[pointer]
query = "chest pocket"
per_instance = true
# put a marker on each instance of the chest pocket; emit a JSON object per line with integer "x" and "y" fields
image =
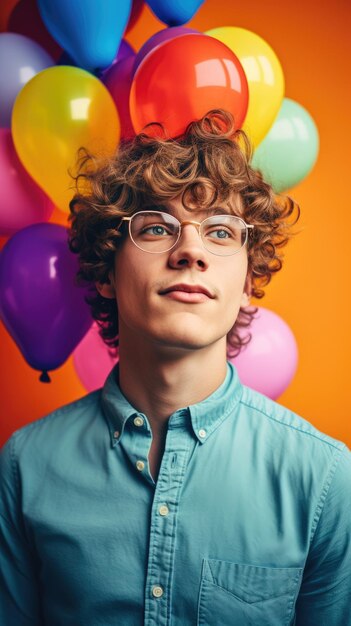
{"x": 236, "y": 594}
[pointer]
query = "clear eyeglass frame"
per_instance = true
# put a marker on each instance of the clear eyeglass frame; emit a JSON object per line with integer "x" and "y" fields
{"x": 198, "y": 226}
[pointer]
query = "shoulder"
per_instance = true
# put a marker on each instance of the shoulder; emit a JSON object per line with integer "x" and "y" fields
{"x": 66, "y": 421}
{"x": 298, "y": 451}
{"x": 283, "y": 421}
{"x": 292, "y": 443}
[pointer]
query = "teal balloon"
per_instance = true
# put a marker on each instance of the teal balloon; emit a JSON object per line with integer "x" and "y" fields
{"x": 290, "y": 149}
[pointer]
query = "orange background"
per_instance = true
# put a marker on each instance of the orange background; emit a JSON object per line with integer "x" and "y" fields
{"x": 311, "y": 293}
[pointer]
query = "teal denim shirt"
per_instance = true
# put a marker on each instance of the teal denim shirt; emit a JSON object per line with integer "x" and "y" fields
{"x": 249, "y": 521}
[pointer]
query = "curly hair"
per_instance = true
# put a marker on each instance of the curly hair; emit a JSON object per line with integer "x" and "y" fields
{"x": 208, "y": 163}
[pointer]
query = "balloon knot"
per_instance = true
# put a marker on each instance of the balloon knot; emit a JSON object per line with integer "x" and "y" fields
{"x": 44, "y": 377}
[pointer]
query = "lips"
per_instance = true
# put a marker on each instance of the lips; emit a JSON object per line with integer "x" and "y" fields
{"x": 187, "y": 289}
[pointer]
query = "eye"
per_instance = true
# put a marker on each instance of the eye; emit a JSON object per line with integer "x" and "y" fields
{"x": 158, "y": 230}
{"x": 219, "y": 232}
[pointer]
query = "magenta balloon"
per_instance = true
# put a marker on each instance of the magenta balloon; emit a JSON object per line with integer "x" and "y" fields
{"x": 22, "y": 202}
{"x": 41, "y": 306}
{"x": 268, "y": 363}
{"x": 159, "y": 38}
{"x": 92, "y": 360}
{"x": 118, "y": 80}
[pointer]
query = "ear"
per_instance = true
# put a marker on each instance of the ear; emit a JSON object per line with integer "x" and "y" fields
{"x": 106, "y": 290}
{"x": 246, "y": 295}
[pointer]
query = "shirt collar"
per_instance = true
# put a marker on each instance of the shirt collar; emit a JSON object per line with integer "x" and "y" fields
{"x": 205, "y": 416}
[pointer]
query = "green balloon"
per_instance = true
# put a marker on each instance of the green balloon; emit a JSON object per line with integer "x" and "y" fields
{"x": 290, "y": 149}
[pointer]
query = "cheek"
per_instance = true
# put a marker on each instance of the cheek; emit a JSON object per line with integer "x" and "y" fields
{"x": 234, "y": 278}
{"x": 134, "y": 272}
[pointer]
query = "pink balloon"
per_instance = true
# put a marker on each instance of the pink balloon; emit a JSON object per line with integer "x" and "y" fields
{"x": 268, "y": 363}
{"x": 118, "y": 80}
{"x": 22, "y": 202}
{"x": 92, "y": 360}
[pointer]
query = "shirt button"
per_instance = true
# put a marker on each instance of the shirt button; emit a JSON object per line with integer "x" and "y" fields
{"x": 116, "y": 434}
{"x": 138, "y": 421}
{"x": 157, "y": 592}
{"x": 163, "y": 510}
{"x": 202, "y": 433}
{"x": 140, "y": 465}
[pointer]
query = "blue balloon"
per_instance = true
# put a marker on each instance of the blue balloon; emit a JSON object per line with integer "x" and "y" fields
{"x": 89, "y": 30}
{"x": 176, "y": 12}
{"x": 124, "y": 50}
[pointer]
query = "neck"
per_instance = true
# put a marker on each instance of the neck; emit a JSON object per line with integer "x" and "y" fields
{"x": 157, "y": 381}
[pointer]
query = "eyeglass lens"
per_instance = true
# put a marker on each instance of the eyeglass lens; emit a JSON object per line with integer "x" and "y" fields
{"x": 154, "y": 231}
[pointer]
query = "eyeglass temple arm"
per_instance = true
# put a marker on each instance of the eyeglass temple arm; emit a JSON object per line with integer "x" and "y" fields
{"x": 123, "y": 219}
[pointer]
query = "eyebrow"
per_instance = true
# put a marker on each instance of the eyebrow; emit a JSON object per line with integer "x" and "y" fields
{"x": 211, "y": 210}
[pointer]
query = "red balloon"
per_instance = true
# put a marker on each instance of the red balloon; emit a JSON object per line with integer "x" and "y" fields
{"x": 183, "y": 79}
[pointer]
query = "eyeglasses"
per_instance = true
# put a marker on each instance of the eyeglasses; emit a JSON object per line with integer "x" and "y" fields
{"x": 157, "y": 232}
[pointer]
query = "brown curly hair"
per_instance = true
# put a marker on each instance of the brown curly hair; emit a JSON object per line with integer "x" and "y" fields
{"x": 208, "y": 163}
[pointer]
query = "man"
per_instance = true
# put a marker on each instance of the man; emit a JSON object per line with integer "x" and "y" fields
{"x": 175, "y": 495}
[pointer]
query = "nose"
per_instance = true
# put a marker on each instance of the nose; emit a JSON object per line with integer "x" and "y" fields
{"x": 189, "y": 251}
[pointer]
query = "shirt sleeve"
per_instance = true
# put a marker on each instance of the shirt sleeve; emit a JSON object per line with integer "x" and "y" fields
{"x": 19, "y": 593}
{"x": 325, "y": 594}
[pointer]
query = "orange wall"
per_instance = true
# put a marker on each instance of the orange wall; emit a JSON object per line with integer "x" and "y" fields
{"x": 311, "y": 293}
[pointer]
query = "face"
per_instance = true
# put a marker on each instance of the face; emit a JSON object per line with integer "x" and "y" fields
{"x": 151, "y": 307}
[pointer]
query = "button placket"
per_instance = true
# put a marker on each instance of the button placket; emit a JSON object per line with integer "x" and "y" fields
{"x": 163, "y": 527}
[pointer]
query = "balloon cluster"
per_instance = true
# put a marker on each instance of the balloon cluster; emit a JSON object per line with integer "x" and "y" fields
{"x": 68, "y": 79}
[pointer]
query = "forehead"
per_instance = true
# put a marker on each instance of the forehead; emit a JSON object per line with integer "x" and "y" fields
{"x": 175, "y": 207}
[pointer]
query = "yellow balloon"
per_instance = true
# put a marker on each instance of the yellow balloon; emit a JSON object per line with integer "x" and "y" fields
{"x": 59, "y": 110}
{"x": 264, "y": 75}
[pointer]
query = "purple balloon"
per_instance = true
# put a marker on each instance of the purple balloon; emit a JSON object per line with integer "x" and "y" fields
{"x": 118, "y": 80}
{"x": 40, "y": 304}
{"x": 20, "y": 59}
{"x": 125, "y": 51}
{"x": 159, "y": 38}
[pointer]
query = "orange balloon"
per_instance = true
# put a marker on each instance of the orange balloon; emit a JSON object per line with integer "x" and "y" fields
{"x": 184, "y": 78}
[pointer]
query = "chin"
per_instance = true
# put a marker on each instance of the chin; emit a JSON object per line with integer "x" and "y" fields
{"x": 186, "y": 331}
